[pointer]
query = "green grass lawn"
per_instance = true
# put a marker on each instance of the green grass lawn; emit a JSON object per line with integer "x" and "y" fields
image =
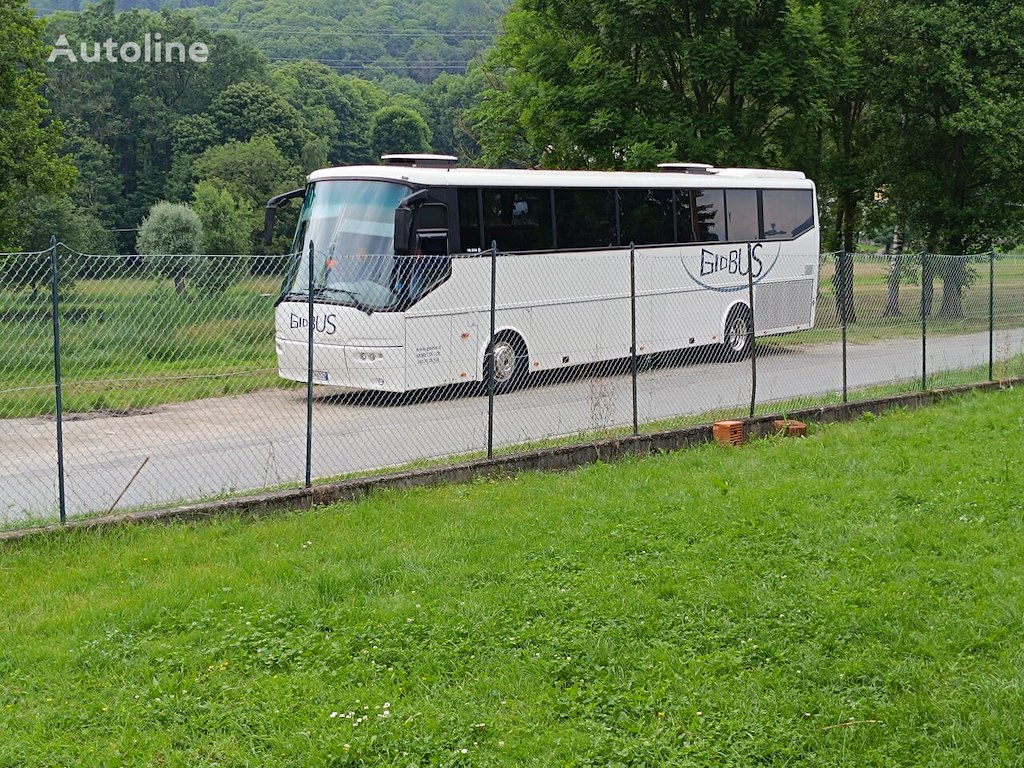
{"x": 854, "y": 598}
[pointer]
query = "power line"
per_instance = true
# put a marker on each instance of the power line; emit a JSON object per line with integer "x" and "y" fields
{"x": 255, "y": 28}
{"x": 482, "y": 34}
{"x": 451, "y": 66}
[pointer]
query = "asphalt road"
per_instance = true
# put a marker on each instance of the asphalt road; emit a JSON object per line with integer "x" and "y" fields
{"x": 188, "y": 451}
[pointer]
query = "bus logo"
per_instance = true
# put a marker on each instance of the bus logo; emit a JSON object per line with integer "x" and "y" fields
{"x": 734, "y": 263}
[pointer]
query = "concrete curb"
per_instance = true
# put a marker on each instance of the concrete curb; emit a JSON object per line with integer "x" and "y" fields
{"x": 544, "y": 460}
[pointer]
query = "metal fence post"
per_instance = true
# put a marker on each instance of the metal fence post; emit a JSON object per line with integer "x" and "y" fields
{"x": 991, "y": 313}
{"x": 489, "y": 357}
{"x": 57, "y": 385}
{"x": 632, "y": 349}
{"x": 925, "y": 269}
{"x": 309, "y": 372}
{"x": 753, "y": 325}
{"x": 844, "y": 316}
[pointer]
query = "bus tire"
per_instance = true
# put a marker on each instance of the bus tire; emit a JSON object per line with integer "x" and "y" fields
{"x": 737, "y": 339}
{"x": 511, "y": 363}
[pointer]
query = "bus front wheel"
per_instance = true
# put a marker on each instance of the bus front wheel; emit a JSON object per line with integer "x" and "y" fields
{"x": 738, "y": 338}
{"x": 511, "y": 363}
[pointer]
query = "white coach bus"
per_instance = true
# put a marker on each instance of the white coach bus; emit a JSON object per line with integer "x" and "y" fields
{"x": 402, "y": 268}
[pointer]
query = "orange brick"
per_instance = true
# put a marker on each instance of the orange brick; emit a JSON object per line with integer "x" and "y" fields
{"x": 728, "y": 432}
{"x": 790, "y": 427}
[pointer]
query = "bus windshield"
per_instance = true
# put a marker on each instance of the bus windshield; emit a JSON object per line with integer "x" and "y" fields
{"x": 351, "y": 226}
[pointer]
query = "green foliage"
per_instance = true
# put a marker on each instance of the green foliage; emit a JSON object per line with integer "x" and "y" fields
{"x": 226, "y": 230}
{"x": 225, "y": 221}
{"x": 448, "y": 100}
{"x": 52, "y": 215}
{"x": 139, "y": 134}
{"x": 399, "y": 129}
{"x": 171, "y": 229}
{"x": 584, "y": 81}
{"x": 954, "y": 120}
{"x": 334, "y": 108}
{"x": 29, "y": 139}
{"x": 252, "y": 172}
{"x": 247, "y": 109}
{"x": 226, "y": 235}
{"x": 415, "y": 39}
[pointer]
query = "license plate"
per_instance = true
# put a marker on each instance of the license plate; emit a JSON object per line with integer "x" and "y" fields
{"x": 320, "y": 376}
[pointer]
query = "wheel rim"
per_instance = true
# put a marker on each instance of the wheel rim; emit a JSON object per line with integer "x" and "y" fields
{"x": 504, "y": 361}
{"x": 737, "y": 336}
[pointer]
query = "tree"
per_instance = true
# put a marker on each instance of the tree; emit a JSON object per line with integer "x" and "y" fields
{"x": 450, "y": 98}
{"x": 226, "y": 221}
{"x": 953, "y": 131}
{"x": 49, "y": 215}
{"x": 29, "y": 140}
{"x": 170, "y": 236}
{"x": 711, "y": 80}
{"x": 253, "y": 172}
{"x": 227, "y": 235}
{"x": 249, "y": 109}
{"x": 334, "y": 109}
{"x": 399, "y": 129}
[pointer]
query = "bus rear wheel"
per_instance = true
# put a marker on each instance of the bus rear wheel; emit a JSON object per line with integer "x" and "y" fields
{"x": 511, "y": 363}
{"x": 738, "y": 338}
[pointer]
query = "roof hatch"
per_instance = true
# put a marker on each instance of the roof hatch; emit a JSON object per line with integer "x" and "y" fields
{"x": 420, "y": 161}
{"x": 699, "y": 168}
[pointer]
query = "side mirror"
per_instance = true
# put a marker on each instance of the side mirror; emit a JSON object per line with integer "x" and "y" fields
{"x": 403, "y": 220}
{"x": 403, "y": 230}
{"x": 271, "y": 213}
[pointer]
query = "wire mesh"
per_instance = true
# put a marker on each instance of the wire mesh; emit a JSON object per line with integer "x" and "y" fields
{"x": 568, "y": 318}
{"x": 185, "y": 378}
{"x": 1007, "y": 280}
{"x": 28, "y": 457}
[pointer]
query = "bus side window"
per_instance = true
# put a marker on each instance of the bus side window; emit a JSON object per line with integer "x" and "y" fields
{"x": 788, "y": 213}
{"x": 469, "y": 220}
{"x": 645, "y": 216}
{"x": 709, "y": 215}
{"x": 684, "y": 216}
{"x": 585, "y": 218}
{"x": 518, "y": 220}
{"x": 742, "y": 212}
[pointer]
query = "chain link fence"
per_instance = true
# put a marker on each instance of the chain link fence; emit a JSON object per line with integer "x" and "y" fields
{"x": 128, "y": 382}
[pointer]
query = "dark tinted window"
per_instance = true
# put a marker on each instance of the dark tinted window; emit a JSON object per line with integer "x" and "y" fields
{"x": 431, "y": 216}
{"x": 645, "y": 216}
{"x": 788, "y": 213}
{"x": 709, "y": 215}
{"x": 469, "y": 220}
{"x": 741, "y": 208}
{"x": 685, "y": 225}
{"x": 585, "y": 218}
{"x": 518, "y": 219}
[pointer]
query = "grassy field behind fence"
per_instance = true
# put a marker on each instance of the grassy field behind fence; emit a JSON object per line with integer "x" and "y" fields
{"x": 855, "y": 598}
{"x": 134, "y": 343}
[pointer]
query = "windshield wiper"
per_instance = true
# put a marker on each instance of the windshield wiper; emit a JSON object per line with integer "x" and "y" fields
{"x": 323, "y": 290}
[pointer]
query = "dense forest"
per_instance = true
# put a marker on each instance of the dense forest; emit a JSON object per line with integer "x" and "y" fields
{"x": 418, "y": 39}
{"x": 907, "y": 115}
